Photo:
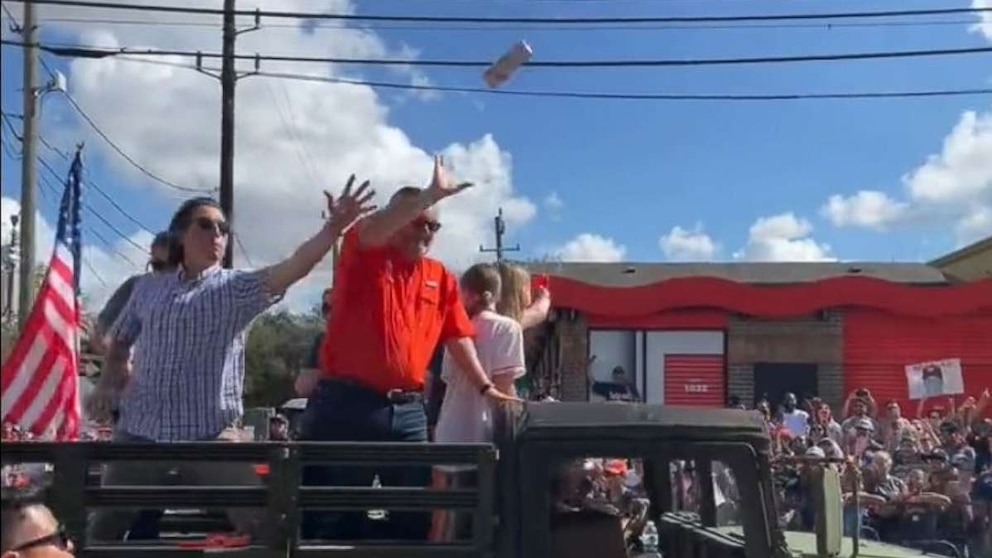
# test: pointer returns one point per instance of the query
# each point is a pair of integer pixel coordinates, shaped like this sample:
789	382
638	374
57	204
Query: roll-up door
878	347
695	380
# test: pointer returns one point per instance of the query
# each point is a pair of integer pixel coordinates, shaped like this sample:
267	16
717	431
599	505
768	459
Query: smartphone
541	281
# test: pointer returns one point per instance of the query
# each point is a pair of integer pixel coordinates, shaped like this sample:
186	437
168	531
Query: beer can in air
501	70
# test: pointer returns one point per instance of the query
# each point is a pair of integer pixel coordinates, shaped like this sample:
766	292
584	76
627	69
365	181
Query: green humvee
733	440
512	507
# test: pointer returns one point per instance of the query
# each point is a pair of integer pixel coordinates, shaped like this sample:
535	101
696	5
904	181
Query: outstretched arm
343	213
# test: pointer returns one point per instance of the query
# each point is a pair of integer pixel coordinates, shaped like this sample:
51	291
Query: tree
277	348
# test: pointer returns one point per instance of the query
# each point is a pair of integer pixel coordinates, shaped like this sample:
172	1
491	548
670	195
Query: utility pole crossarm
500	231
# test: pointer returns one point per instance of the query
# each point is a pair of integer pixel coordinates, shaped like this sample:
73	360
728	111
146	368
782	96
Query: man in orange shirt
391	306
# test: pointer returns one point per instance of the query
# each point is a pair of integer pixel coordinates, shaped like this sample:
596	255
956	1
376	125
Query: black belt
393	396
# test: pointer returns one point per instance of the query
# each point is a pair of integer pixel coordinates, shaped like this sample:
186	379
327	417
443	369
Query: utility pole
500	228
228	83
29	169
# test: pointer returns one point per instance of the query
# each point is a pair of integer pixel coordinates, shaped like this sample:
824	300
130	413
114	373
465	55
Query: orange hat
616	467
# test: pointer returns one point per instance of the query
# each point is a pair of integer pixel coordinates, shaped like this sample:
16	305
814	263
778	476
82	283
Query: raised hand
350	206
440	186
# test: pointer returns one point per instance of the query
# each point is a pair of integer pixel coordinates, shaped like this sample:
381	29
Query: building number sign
697	388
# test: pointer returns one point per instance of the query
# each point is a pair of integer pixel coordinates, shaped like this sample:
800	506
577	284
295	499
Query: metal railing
282	496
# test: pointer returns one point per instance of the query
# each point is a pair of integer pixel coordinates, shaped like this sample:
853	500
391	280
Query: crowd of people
922	481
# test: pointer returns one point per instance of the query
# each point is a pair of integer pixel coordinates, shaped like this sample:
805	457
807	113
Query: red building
696	334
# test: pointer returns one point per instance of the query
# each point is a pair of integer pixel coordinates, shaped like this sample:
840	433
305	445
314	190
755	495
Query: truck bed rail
282	496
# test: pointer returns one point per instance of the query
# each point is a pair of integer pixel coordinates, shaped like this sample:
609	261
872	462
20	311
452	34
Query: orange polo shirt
387	317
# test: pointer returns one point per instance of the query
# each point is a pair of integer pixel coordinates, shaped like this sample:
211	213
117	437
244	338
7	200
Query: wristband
484	389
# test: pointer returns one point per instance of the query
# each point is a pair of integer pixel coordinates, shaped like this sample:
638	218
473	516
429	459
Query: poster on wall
934	378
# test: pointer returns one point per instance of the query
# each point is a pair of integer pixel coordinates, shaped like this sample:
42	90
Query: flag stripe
39	381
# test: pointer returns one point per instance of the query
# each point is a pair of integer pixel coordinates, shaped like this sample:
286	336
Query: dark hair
14	503
162	240
482	278
181	220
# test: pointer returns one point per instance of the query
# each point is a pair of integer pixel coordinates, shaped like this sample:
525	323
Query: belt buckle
394	395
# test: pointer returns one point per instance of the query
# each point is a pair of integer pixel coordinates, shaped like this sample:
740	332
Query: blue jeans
345	412
852	520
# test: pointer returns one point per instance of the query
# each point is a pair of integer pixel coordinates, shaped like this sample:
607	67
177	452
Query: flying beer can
501	70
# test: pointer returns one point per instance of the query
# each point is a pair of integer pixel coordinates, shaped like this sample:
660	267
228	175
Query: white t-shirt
796	422
465	415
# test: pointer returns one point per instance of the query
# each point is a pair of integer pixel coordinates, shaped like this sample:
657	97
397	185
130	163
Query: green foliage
278	346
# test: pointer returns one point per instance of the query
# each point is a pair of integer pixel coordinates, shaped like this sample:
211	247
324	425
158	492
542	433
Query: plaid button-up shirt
188	338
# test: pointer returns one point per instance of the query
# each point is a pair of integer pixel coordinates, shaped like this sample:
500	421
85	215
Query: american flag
40	381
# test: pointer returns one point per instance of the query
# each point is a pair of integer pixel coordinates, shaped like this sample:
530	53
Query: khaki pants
110	524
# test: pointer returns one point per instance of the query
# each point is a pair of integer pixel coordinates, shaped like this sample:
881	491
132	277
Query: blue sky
630	171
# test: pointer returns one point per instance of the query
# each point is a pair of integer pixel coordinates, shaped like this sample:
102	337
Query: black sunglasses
208	224
432	226
59	539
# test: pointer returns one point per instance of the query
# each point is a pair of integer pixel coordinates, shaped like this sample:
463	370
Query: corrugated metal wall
695	380
878	346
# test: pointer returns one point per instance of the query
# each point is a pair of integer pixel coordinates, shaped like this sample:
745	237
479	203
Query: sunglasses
59	539
210	225
423	222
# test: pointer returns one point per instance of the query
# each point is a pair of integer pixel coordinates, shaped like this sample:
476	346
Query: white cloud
953	186
103	267
168	119
867	208
951	189
984	25
552	202
588	247
783	238
688	244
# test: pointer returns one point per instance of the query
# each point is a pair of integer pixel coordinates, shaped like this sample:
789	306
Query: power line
527	27
486	20
113	145
53	191
96	128
45	165
96	187
91	183
601	96
78	51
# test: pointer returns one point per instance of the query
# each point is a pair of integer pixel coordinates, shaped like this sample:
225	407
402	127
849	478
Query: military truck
512	507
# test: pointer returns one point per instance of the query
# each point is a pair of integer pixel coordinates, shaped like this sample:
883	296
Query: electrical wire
113	145
78	51
96	187
524	27
592	95
48	167
96	128
47	189
258	14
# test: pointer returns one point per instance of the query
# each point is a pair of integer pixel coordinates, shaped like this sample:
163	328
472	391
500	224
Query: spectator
795	420
188	331
310	374
618	388
158	263
392	305
29	528
278	429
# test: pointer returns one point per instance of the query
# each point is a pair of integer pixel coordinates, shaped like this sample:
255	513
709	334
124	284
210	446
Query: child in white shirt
466	415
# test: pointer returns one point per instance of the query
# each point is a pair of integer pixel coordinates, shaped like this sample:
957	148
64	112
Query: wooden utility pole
500	230
29	162
228	83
